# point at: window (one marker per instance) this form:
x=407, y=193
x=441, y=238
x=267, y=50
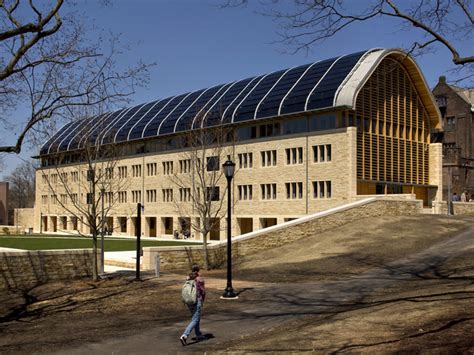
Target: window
x=269, y=130
x=44, y=199
x=167, y=167
x=63, y=198
x=122, y=172
x=185, y=166
x=185, y=194
x=54, y=178
x=294, y=190
x=136, y=196
x=295, y=126
x=212, y=193
x=74, y=198
x=74, y=176
x=63, y=177
x=245, y=160
x=151, y=195
x=245, y=192
x=441, y=101
x=322, y=189
x=450, y=123
x=122, y=196
x=322, y=153
x=90, y=175
x=109, y=197
x=167, y=195
x=89, y=199
x=212, y=163
x=269, y=158
x=269, y=191
x=294, y=156
x=151, y=169
x=136, y=170
x=109, y=173
x=321, y=123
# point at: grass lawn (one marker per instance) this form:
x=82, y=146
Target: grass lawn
x=75, y=242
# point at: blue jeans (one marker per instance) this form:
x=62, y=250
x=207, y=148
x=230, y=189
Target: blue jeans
x=195, y=319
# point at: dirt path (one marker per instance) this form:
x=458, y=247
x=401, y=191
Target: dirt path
x=418, y=302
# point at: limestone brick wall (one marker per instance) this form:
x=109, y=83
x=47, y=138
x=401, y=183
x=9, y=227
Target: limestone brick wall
x=24, y=219
x=340, y=171
x=22, y=270
x=255, y=242
x=459, y=208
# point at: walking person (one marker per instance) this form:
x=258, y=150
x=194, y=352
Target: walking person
x=196, y=308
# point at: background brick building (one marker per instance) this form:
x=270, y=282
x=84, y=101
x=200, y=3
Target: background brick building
x=457, y=110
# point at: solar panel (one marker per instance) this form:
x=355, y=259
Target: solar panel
x=304, y=88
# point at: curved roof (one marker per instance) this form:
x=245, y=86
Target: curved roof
x=328, y=83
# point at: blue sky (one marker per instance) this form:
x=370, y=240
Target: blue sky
x=196, y=44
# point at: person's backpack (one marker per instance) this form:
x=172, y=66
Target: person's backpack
x=188, y=293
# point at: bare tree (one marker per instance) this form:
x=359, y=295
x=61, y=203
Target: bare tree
x=49, y=64
x=22, y=186
x=83, y=188
x=444, y=23
x=200, y=182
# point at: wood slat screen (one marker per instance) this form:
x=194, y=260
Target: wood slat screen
x=393, y=128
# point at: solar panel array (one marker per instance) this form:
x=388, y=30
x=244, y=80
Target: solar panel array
x=300, y=89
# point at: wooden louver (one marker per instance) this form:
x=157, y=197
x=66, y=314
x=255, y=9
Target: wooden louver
x=393, y=128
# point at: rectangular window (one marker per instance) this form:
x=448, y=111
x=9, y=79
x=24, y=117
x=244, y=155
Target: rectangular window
x=136, y=196
x=122, y=196
x=151, y=169
x=185, y=166
x=269, y=158
x=185, y=194
x=245, y=160
x=269, y=191
x=150, y=195
x=212, y=163
x=245, y=192
x=322, y=189
x=294, y=190
x=122, y=172
x=89, y=199
x=450, y=123
x=167, y=195
x=322, y=153
x=294, y=156
x=136, y=170
x=212, y=193
x=168, y=167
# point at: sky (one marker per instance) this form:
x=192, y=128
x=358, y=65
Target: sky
x=197, y=44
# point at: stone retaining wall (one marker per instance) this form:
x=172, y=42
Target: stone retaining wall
x=26, y=269
x=459, y=208
x=281, y=234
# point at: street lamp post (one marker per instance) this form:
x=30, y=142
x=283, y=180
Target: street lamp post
x=229, y=168
x=102, y=192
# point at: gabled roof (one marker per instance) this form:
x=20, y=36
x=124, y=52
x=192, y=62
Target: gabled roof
x=324, y=84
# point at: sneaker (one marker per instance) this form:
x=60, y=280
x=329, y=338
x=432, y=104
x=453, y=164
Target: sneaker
x=183, y=340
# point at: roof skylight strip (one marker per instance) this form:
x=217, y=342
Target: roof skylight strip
x=198, y=114
x=187, y=109
x=110, y=125
x=58, y=136
x=86, y=135
x=294, y=85
x=141, y=118
x=156, y=114
x=75, y=133
x=251, y=90
x=168, y=115
x=269, y=91
x=235, y=98
x=115, y=137
x=319, y=81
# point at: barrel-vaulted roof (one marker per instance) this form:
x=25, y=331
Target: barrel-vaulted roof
x=324, y=84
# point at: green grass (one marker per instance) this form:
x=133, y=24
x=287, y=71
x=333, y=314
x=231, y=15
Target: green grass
x=76, y=242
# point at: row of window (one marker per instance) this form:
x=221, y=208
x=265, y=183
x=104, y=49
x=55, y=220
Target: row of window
x=321, y=153
x=294, y=191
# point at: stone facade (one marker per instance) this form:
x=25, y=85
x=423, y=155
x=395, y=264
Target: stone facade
x=276, y=236
x=457, y=109
x=24, y=219
x=23, y=270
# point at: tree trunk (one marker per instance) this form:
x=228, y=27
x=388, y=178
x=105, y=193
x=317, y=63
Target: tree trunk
x=95, y=275
x=204, y=249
